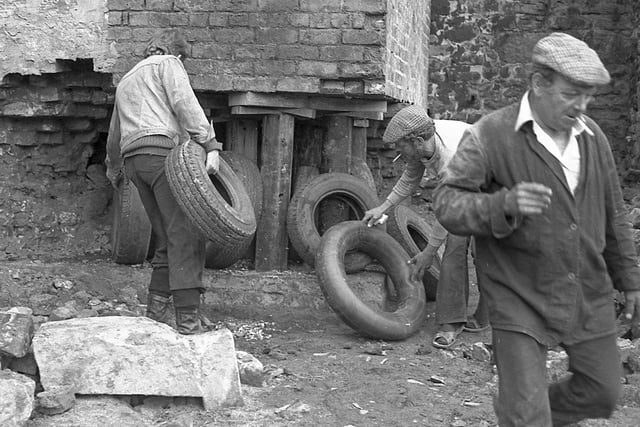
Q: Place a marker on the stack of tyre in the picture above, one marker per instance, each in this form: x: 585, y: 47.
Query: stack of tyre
x: 338, y: 245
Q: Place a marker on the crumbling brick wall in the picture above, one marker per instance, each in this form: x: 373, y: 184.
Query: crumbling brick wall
x: 480, y: 52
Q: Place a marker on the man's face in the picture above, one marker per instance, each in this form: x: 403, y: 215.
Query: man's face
x: 561, y: 102
x: 415, y: 148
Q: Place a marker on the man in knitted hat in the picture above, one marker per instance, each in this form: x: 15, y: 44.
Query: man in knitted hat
x: 418, y: 138
x: 155, y: 110
x: 535, y: 183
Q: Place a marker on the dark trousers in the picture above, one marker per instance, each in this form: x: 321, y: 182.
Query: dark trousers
x: 525, y: 398
x: 179, y: 255
x: 452, y: 296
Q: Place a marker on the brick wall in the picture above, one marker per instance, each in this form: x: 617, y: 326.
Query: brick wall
x: 480, y: 51
x: 407, y: 50
x: 304, y: 46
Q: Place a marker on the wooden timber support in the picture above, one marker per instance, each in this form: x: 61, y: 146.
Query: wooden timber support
x: 277, y: 158
x: 342, y: 150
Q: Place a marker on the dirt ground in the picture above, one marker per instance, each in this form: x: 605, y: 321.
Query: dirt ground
x: 318, y: 371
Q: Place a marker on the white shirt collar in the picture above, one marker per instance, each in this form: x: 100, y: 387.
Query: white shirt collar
x: 525, y: 115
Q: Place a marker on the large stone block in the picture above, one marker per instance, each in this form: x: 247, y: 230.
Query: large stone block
x: 137, y: 356
x: 16, y: 398
x: 16, y: 329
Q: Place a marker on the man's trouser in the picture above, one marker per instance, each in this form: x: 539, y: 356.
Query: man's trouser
x: 526, y: 399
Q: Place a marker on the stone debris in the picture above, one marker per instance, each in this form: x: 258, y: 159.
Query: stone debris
x: 16, y: 330
x: 250, y: 369
x: 56, y: 400
x: 16, y: 398
x: 117, y: 355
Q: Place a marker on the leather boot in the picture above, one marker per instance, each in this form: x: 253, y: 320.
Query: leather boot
x: 158, y: 308
x: 188, y: 320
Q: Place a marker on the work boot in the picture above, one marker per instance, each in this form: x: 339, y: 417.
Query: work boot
x: 188, y: 320
x: 158, y: 308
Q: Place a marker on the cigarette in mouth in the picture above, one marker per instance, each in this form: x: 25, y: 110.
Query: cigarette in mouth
x: 584, y: 125
x: 396, y: 158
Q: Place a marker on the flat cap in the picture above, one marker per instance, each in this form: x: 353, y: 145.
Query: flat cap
x: 412, y: 119
x: 572, y: 58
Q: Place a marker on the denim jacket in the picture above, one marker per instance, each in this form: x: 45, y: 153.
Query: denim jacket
x: 154, y: 98
x: 551, y: 276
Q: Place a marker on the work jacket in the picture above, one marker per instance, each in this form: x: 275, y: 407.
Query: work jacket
x: 551, y: 276
x: 154, y: 98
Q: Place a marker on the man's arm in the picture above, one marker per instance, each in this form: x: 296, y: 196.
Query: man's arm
x: 460, y: 204
x: 113, y: 159
x: 185, y: 104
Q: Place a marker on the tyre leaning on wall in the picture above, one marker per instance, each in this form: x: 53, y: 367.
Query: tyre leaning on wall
x: 248, y: 172
x: 303, y: 215
x: 412, y: 231
x: 220, y: 221
x: 408, y: 312
x: 131, y: 229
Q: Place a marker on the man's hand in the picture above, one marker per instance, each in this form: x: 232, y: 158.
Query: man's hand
x: 632, y: 307
x: 213, y: 162
x: 374, y: 216
x: 527, y: 198
x: 419, y: 263
x: 115, y: 178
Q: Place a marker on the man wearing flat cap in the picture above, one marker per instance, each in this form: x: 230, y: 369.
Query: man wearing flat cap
x: 426, y: 146
x: 536, y: 184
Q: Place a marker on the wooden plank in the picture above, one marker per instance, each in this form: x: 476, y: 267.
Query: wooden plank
x: 304, y: 101
x: 336, y: 151
x: 254, y: 111
x: 242, y: 137
x: 277, y: 158
x: 367, y: 115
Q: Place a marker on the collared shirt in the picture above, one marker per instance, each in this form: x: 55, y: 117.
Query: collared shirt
x: 551, y: 276
x: 570, y: 158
